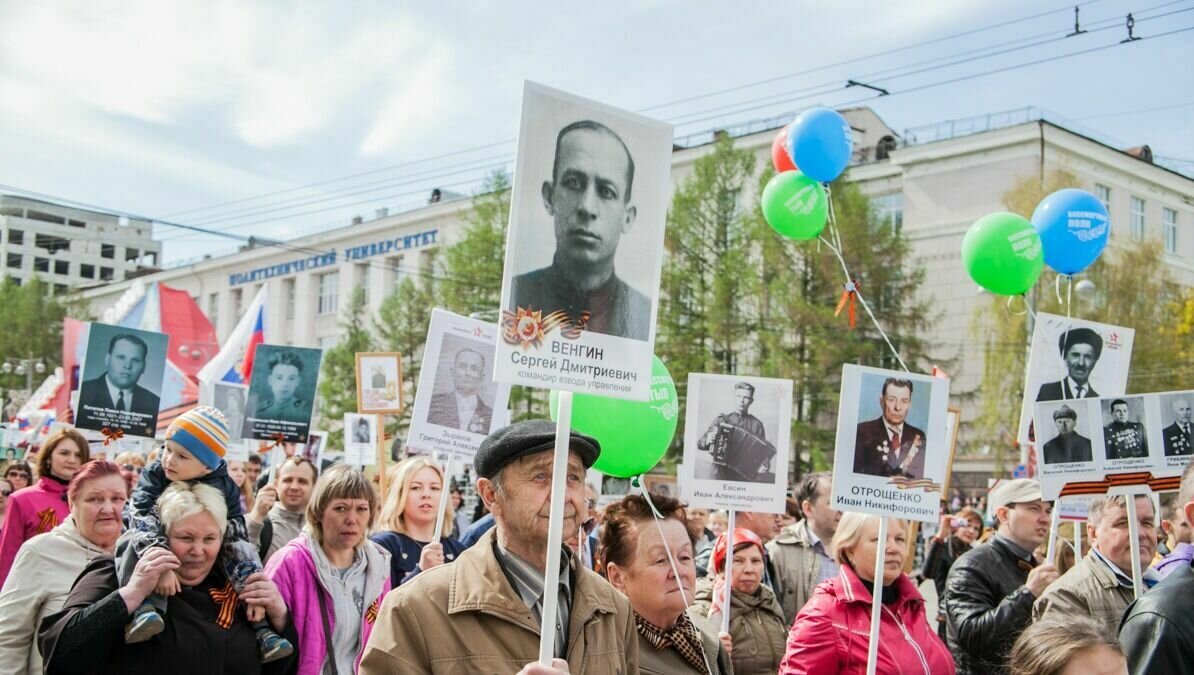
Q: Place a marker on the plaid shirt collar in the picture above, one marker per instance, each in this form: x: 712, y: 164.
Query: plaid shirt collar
x: 684, y: 636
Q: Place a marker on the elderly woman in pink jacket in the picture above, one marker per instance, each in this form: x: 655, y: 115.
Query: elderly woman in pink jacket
x: 332, y: 576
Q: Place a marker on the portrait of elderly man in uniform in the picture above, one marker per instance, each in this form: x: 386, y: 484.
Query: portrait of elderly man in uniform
x: 589, y: 197
x: 283, y: 401
x: 1080, y: 350
x: 738, y: 441
x: 462, y: 408
x: 1124, y: 438
x: 888, y: 445
x: 1068, y: 445
x: 117, y: 388
x: 1177, y: 436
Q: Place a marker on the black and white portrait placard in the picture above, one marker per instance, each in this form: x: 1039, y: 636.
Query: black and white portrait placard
x: 892, y: 447
x: 1125, y: 441
x: 580, y: 288
x: 1072, y: 359
x: 457, y: 396
x: 1069, y: 445
x: 1177, y: 427
x: 229, y: 398
x: 121, y: 380
x: 360, y: 439
x: 281, y: 393
x: 736, y: 442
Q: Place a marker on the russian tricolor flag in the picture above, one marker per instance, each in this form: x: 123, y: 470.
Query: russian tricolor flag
x: 234, y: 362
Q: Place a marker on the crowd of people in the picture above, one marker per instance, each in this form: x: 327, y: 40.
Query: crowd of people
x: 189, y: 562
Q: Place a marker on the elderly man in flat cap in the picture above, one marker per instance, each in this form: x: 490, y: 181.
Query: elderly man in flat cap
x: 481, y: 613
x: 1068, y: 446
x: 1080, y: 349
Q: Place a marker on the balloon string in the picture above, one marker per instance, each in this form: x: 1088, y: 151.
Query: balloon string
x: 1066, y: 335
x: 836, y: 247
x: 671, y: 560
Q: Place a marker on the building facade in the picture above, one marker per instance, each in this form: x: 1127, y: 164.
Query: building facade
x: 69, y: 247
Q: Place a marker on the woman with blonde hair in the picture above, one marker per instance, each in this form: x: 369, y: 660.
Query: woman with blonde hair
x: 831, y: 632
x: 406, y: 527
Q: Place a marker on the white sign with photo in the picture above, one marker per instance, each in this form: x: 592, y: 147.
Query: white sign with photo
x: 121, y: 380
x: 1072, y: 358
x: 238, y: 450
x: 457, y: 398
x: 736, y: 442
x: 228, y: 398
x: 580, y: 287
x: 360, y: 439
x: 892, y: 449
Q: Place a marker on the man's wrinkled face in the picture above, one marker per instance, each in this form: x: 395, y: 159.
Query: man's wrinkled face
x: 1119, y: 413
x: 895, y: 402
x: 125, y: 363
x: 469, y: 370
x: 1079, y: 361
x: 523, y: 506
x: 588, y: 197
x: 1181, y: 410
x: 1112, y: 539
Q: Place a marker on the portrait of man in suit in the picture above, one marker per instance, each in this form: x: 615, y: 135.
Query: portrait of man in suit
x: 117, y: 388
x: 1177, y: 436
x: 378, y: 381
x: 1080, y: 350
x: 589, y: 198
x: 889, y: 445
x: 1069, y: 445
x: 463, y: 408
x: 1124, y: 438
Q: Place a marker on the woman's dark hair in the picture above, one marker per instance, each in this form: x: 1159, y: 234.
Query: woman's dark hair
x: 1047, y: 646
x: 90, y: 471
x: 619, y: 528
x: 47, y: 450
x: 20, y: 466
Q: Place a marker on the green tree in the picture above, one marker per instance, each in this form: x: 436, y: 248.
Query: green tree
x: 337, y: 384
x: 471, y: 268
x: 401, y: 326
x: 32, y: 329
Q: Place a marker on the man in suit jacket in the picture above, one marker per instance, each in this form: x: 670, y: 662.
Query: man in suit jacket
x: 1080, y: 349
x: 1068, y: 446
x: 889, y: 446
x: 117, y: 388
x: 1177, y: 436
x: 462, y: 408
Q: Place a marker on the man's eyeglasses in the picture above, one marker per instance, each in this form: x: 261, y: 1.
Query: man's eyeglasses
x: 5, y: 493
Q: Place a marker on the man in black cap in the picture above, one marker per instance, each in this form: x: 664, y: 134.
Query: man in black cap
x: 738, y: 441
x: 1068, y: 446
x: 482, y: 612
x: 1080, y: 349
x: 1124, y: 439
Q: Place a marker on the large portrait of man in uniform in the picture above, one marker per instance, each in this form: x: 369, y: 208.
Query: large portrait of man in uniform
x: 1123, y: 434
x: 281, y: 393
x: 890, y: 445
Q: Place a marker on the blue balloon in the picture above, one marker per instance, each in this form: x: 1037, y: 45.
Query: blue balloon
x: 820, y: 142
x: 1074, y: 227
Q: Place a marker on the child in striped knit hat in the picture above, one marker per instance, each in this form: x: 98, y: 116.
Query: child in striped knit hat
x: 195, y: 445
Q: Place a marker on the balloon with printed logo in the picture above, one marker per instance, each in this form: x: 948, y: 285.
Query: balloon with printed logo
x: 1002, y: 253
x: 795, y: 205
x: 820, y: 143
x: 1074, y: 227
x: 634, y: 435
x: 779, y: 152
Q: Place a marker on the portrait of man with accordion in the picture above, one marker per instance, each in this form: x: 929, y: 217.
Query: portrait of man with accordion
x: 738, y: 443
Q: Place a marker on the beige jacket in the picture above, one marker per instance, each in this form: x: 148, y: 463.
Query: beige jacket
x: 41, y: 578
x: 797, y: 568
x: 464, y: 617
x: 758, y: 632
x: 1088, y: 589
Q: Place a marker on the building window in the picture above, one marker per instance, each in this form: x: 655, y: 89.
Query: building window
x: 87, y: 271
x: 16, y: 237
x: 328, y: 341
x: 213, y: 306
x: 361, y: 278
x: 107, y: 251
x: 1137, y: 218
x: 62, y: 267
x: 289, y: 297
x: 1169, y: 229
x: 105, y: 274
x: 131, y: 254
x: 1104, y: 194
x: 60, y: 289
x: 889, y: 211
x: 41, y: 265
x: 238, y: 295
x: 51, y: 243
x: 329, y: 292
x: 14, y: 261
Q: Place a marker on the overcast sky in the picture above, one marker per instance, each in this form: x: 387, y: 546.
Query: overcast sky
x: 163, y: 108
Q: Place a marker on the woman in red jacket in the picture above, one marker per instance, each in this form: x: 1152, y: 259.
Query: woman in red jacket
x: 830, y: 634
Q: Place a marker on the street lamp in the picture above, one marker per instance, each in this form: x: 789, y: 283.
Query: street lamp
x: 24, y: 367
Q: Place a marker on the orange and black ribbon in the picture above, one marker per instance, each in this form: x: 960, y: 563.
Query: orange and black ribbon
x: 111, y: 435
x: 279, y: 439
x: 226, y: 598
x: 371, y: 613
x: 848, y: 299
x: 1141, y: 478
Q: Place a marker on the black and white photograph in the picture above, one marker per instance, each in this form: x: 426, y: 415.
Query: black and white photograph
x: 1073, y: 359
x: 281, y: 393
x: 585, y: 246
x: 1124, y: 435
x: 121, y: 380
x: 360, y: 439
x: 736, y: 441
x: 457, y: 396
x: 229, y: 398
x: 314, y: 448
x: 892, y: 445
x: 1064, y: 431
x: 379, y: 382
x: 1177, y: 425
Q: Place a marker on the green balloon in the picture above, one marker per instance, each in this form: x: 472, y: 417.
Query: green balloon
x: 1003, y: 253
x: 795, y: 205
x: 634, y: 435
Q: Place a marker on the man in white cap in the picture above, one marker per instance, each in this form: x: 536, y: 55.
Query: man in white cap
x: 991, y: 589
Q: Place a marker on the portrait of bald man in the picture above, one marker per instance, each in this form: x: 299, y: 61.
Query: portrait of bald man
x: 464, y: 408
x: 590, y: 197
x: 1177, y: 437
